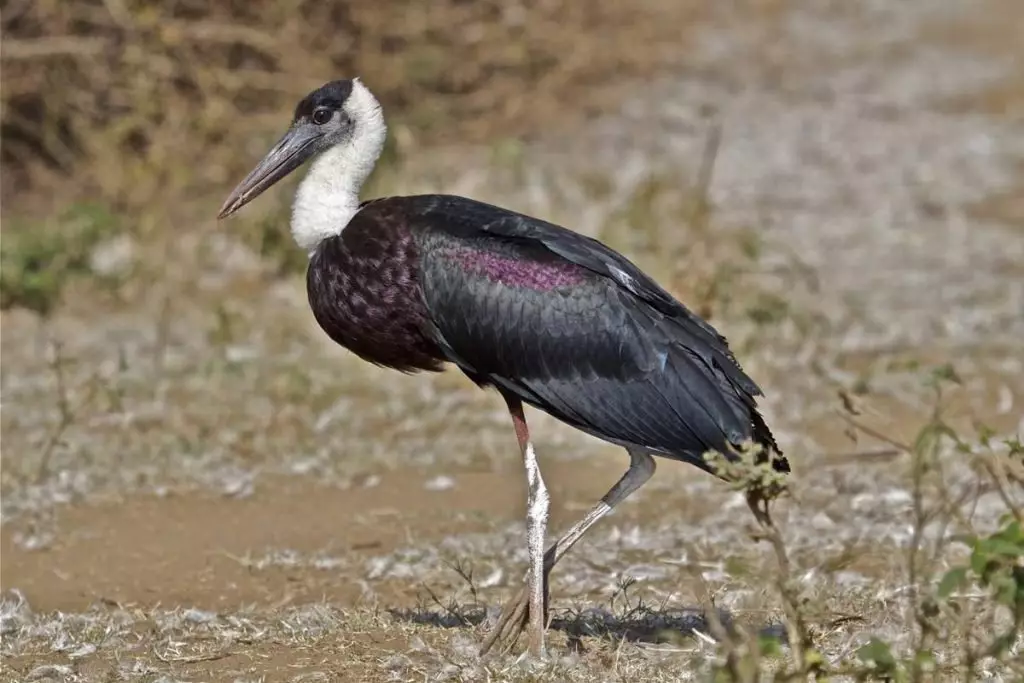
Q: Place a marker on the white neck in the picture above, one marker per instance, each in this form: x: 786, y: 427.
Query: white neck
x: 328, y: 196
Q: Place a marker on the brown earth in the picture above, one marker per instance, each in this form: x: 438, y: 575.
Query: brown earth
x: 193, y: 545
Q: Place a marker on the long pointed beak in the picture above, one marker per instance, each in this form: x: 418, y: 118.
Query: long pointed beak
x: 287, y: 155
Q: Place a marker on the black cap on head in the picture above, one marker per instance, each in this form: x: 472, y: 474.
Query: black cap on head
x: 330, y: 95
x: 320, y: 121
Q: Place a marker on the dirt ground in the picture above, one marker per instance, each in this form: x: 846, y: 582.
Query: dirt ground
x: 198, y: 486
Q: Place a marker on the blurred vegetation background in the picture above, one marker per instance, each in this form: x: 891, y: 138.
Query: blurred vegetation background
x: 129, y: 120
x: 139, y: 102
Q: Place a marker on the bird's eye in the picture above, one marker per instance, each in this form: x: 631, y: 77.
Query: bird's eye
x: 322, y: 116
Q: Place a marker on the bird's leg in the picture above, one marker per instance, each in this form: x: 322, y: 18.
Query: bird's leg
x: 537, y: 504
x: 516, y: 612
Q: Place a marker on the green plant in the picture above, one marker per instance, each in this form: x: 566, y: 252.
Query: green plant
x: 971, y: 611
x: 38, y: 261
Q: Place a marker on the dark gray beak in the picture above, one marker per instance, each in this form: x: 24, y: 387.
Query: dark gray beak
x: 297, y: 145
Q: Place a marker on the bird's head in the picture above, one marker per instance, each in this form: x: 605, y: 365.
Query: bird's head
x: 325, y: 118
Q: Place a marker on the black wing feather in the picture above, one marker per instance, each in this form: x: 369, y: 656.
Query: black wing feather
x: 462, y: 216
x: 612, y: 354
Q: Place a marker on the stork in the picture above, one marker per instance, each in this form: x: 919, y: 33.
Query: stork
x: 544, y: 315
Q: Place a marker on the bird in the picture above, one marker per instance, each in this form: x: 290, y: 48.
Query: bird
x: 544, y: 315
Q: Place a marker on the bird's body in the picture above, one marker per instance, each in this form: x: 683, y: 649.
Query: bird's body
x: 544, y: 315
x: 557, y: 319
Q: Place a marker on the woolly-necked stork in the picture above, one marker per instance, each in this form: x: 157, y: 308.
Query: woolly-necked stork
x: 542, y: 314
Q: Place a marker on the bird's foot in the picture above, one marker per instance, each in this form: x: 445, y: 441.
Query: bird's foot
x: 515, y: 617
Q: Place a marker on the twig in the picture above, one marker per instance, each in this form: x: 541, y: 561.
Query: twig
x: 874, y: 433
x: 925, y: 457
x: 467, y: 576
x: 705, y: 176
x: 217, y: 32
x: 163, y: 334
x: 450, y: 610
x: 119, y: 13
x: 192, y: 659
x: 719, y: 634
x: 63, y: 409
x: 799, y: 640
x: 1002, y: 485
x: 54, y: 46
x: 66, y: 411
x: 863, y: 456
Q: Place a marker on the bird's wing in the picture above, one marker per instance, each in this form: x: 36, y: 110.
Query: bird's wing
x: 574, y: 328
x: 465, y: 216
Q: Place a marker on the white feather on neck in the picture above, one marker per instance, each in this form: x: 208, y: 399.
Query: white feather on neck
x: 328, y: 196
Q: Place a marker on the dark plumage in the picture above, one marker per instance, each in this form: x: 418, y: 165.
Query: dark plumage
x: 556, y: 318
x: 544, y: 315
x: 364, y: 289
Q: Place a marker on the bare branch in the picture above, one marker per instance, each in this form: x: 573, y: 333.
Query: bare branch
x: 46, y: 48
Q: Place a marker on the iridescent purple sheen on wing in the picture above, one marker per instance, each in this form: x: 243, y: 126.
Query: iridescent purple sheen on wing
x: 541, y: 276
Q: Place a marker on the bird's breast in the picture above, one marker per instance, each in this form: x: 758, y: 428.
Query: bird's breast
x: 364, y: 290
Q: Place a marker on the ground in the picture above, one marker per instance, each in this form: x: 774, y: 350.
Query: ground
x: 197, y: 485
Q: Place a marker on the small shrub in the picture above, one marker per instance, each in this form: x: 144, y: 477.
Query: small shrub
x: 966, y: 621
x: 37, y: 261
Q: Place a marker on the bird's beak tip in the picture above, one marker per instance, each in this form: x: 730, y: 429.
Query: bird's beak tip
x: 227, y: 208
x: 287, y: 155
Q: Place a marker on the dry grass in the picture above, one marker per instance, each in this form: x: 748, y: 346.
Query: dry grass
x: 197, y: 486
x: 938, y: 611
x: 154, y: 84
